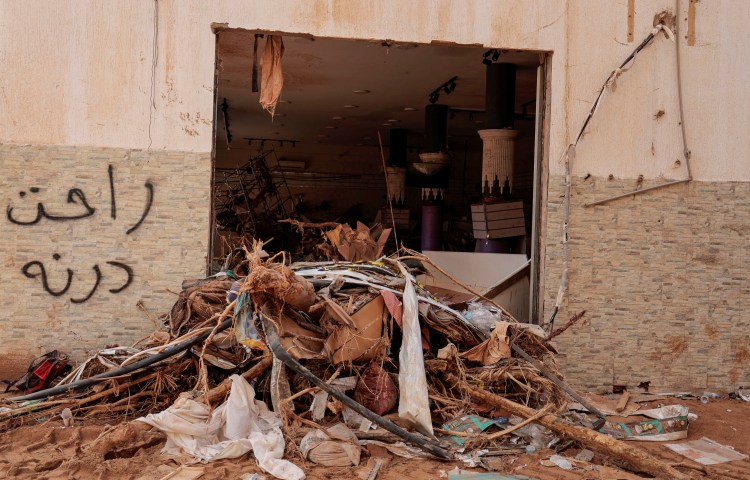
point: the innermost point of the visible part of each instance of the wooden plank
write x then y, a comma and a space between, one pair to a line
598, 442
495, 207
505, 215
497, 224
499, 233
492, 216
631, 20
507, 232
511, 222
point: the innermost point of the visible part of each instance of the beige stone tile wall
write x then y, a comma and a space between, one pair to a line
664, 278
170, 244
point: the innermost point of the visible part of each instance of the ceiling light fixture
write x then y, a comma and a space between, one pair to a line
331, 127
450, 87
337, 118
410, 109
351, 106
494, 53
361, 91
393, 120
446, 87
278, 141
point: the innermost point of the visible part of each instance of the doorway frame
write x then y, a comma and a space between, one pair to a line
541, 155
541, 180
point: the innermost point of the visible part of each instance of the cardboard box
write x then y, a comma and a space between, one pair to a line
359, 341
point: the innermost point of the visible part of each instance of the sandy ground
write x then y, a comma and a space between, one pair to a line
47, 451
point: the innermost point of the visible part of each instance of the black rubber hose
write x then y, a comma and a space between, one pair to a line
169, 352
272, 338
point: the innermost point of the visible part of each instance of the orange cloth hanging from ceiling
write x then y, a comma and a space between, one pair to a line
272, 80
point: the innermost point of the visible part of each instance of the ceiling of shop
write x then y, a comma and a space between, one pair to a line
321, 76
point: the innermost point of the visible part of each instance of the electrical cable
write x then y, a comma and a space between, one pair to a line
569, 153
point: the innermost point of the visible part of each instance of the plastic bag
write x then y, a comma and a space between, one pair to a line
235, 427
414, 404
336, 447
244, 323
482, 317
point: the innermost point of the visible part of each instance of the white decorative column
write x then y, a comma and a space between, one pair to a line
497, 157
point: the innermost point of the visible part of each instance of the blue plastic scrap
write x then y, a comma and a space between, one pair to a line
471, 424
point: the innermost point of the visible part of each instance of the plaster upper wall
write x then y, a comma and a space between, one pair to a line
628, 137
80, 72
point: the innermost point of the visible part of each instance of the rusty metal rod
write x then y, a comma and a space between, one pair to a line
635, 192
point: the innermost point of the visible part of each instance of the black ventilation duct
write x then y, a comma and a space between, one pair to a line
500, 96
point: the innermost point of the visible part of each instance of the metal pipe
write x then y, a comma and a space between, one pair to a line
124, 370
397, 148
436, 128
685, 150
635, 192
500, 95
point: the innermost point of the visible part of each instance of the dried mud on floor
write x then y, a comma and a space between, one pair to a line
47, 451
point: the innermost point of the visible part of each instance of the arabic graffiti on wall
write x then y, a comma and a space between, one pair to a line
80, 209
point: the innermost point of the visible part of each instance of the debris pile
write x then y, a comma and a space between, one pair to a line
320, 358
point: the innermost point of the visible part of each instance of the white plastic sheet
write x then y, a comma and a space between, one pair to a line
706, 451
414, 402
238, 425
336, 447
